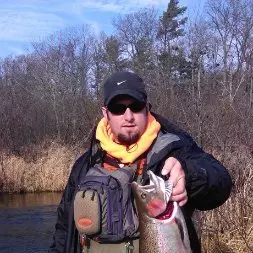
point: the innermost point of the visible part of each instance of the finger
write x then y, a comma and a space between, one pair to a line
178, 191
179, 186
183, 202
176, 173
179, 197
168, 165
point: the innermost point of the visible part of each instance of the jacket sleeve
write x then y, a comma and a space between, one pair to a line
208, 182
64, 223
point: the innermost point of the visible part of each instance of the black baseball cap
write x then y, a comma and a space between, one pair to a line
124, 83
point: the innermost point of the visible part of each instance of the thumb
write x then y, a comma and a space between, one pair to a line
169, 163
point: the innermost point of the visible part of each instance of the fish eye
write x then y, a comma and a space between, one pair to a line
143, 195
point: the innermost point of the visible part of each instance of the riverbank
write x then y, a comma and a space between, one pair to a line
228, 227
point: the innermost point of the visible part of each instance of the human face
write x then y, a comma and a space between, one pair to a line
128, 127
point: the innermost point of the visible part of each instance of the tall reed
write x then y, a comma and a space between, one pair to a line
49, 172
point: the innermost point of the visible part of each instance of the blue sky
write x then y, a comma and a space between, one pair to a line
25, 21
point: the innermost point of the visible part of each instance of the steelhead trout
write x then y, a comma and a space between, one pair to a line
169, 235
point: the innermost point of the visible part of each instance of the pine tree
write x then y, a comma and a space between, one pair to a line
169, 30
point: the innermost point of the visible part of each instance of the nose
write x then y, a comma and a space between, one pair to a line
128, 115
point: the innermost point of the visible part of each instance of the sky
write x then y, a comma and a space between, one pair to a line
26, 21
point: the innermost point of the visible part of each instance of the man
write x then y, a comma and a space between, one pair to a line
130, 134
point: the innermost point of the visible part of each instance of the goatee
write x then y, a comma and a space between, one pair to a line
128, 140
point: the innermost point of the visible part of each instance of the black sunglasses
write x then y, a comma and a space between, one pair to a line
119, 109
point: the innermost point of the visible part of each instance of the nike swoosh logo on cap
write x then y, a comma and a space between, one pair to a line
119, 83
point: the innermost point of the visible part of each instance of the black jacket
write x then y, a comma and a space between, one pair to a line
208, 185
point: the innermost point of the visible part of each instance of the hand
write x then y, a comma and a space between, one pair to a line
173, 169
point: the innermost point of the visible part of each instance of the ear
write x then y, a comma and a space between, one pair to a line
148, 108
105, 113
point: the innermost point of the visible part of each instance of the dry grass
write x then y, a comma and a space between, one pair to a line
47, 173
229, 228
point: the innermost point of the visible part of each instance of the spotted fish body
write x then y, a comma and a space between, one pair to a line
156, 235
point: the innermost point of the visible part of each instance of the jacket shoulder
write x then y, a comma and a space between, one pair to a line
79, 166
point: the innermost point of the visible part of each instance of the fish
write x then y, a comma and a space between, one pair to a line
169, 235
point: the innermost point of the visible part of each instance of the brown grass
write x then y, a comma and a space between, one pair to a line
49, 172
228, 228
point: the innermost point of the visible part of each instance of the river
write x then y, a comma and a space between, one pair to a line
27, 222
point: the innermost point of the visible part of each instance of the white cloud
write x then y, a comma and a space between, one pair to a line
30, 20
26, 25
121, 6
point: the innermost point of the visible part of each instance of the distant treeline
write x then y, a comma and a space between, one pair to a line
198, 74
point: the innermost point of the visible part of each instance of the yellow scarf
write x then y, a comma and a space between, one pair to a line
121, 152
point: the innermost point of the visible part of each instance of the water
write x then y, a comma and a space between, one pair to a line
27, 222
